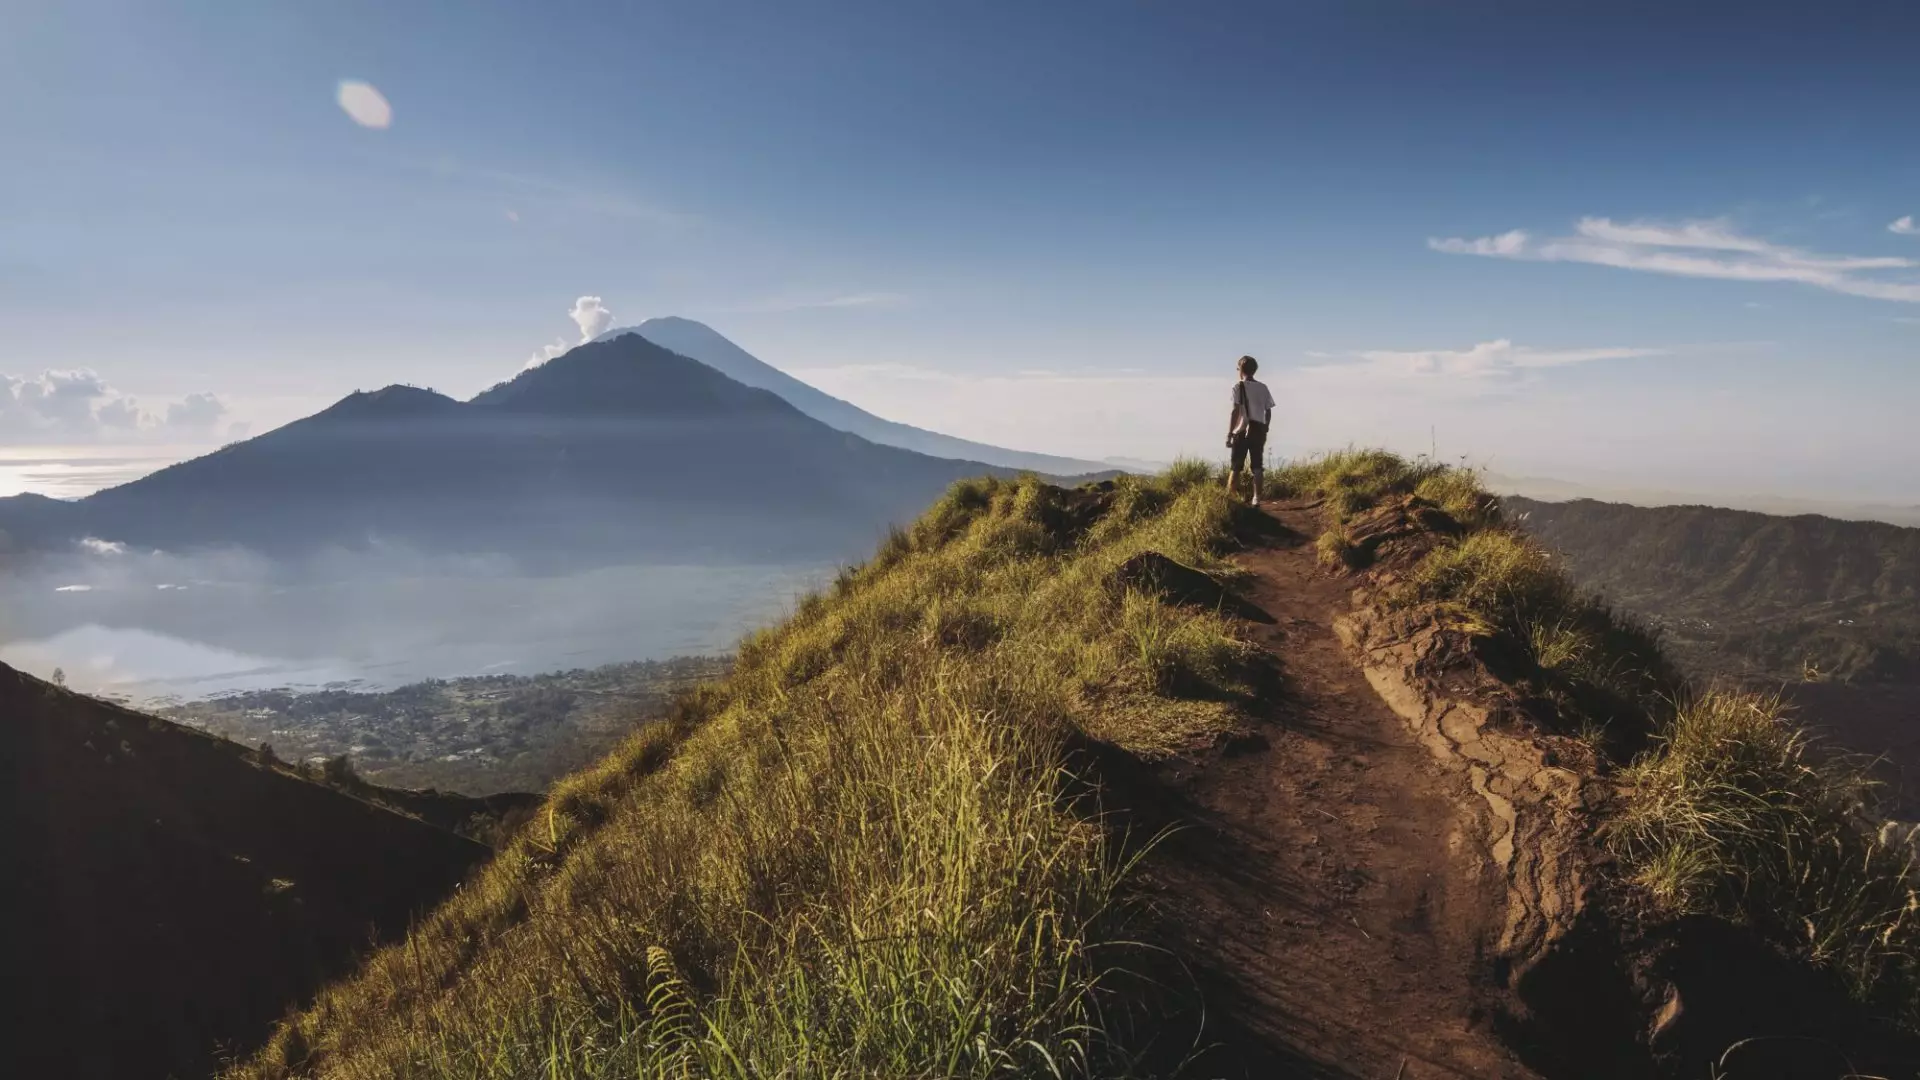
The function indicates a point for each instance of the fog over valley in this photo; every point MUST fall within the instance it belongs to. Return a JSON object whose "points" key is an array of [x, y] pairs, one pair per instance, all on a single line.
{"points": [[151, 625]]}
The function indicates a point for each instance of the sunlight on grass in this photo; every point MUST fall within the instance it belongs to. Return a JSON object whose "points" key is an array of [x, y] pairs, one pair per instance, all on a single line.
{"points": [[852, 857], [1731, 811], [1737, 814]]}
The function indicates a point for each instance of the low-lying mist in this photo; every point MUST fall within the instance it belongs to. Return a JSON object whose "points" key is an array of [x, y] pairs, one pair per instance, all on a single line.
{"points": [[153, 625]]}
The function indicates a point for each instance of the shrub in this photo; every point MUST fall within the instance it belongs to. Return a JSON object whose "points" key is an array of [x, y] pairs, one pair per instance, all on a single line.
{"points": [[1496, 574]]}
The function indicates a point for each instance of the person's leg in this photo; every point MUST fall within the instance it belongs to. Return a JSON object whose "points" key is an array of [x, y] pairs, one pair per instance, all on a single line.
{"points": [[1234, 461], [1257, 458]]}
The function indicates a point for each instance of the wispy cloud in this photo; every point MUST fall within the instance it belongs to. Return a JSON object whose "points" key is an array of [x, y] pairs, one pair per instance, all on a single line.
{"points": [[1507, 245], [1904, 226], [525, 191], [830, 300], [1705, 249], [1486, 367]]}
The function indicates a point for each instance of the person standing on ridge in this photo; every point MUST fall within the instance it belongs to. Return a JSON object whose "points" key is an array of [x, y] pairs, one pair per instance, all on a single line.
{"points": [[1247, 426]]}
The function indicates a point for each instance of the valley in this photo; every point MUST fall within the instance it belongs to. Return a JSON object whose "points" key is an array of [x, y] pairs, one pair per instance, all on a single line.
{"points": [[475, 735], [1825, 612]]}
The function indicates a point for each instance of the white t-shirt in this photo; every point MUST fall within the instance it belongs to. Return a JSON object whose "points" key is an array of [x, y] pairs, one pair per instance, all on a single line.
{"points": [[1259, 400]]}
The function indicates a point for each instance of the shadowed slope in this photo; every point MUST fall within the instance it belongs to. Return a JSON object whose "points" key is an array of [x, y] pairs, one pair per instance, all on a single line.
{"points": [[169, 894]]}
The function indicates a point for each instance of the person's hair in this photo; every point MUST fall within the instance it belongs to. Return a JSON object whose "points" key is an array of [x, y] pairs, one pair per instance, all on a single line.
{"points": [[1248, 365]]}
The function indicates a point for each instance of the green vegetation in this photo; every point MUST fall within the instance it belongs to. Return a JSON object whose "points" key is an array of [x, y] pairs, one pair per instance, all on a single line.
{"points": [[1745, 595], [852, 857], [1729, 810], [865, 853], [1604, 674], [1738, 815], [476, 735]]}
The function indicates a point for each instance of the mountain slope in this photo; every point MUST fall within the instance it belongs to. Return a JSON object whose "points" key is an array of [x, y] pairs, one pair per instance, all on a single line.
{"points": [[619, 448], [703, 343], [903, 837], [169, 893], [1743, 593]]}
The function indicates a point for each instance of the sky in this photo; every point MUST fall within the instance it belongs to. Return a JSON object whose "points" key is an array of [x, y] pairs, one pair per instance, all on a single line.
{"points": [[1601, 242]]}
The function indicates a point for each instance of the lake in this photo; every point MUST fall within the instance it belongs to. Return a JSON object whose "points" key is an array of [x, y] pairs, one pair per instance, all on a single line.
{"points": [[129, 634]]}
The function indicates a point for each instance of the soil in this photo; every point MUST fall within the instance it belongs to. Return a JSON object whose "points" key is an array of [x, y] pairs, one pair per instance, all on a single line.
{"points": [[1328, 883]]}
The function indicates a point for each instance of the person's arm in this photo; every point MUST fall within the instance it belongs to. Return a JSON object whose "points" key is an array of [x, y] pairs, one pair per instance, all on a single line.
{"points": [[1233, 418]]}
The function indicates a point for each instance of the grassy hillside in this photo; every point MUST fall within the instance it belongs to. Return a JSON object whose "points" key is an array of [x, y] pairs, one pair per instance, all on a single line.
{"points": [[870, 850], [1741, 593], [851, 858], [169, 894], [1726, 808]]}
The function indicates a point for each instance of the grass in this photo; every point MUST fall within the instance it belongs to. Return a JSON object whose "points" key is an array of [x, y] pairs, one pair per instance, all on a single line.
{"points": [[1729, 809], [1603, 673], [1737, 814], [851, 858]]}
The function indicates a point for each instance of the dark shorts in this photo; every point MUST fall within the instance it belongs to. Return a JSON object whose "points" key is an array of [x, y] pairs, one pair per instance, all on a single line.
{"points": [[1251, 442]]}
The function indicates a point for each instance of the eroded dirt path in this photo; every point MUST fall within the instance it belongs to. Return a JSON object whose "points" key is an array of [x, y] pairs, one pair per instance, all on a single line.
{"points": [[1328, 893]]}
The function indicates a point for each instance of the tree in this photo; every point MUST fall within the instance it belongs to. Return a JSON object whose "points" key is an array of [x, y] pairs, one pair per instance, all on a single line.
{"points": [[59, 676]]}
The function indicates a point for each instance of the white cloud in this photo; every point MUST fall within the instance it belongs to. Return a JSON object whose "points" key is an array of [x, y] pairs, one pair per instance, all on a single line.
{"points": [[93, 545], [545, 353], [367, 106], [852, 300], [1499, 358], [1482, 370], [792, 302], [122, 413], [591, 316], [1705, 249], [1507, 244], [1904, 226], [197, 411], [79, 405]]}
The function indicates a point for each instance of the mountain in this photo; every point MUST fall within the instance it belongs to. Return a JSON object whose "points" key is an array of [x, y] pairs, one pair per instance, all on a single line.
{"points": [[168, 894], [1826, 612], [1547, 489], [1053, 787], [1750, 594], [703, 343], [619, 448]]}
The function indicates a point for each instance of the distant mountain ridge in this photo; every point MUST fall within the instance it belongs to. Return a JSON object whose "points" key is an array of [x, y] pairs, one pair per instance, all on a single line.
{"points": [[703, 343], [1740, 592], [619, 448], [1547, 489]]}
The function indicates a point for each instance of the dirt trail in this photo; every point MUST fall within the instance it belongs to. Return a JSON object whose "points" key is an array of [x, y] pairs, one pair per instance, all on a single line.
{"points": [[1330, 892]]}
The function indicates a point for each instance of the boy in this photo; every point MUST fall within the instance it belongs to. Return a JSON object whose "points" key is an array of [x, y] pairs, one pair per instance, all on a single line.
{"points": [[1247, 426]]}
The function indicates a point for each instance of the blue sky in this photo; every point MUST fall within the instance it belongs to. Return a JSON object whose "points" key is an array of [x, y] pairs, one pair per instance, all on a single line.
{"points": [[1610, 244]]}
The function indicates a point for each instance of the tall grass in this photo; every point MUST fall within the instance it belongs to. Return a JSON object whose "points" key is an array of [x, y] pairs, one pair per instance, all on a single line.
{"points": [[1729, 809], [1737, 814], [851, 858], [1603, 673]]}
